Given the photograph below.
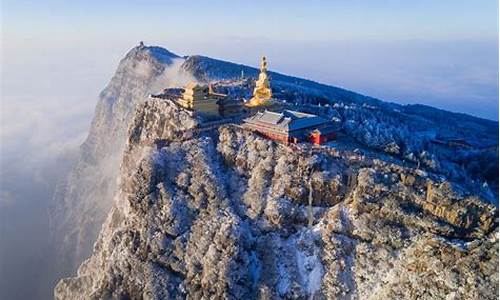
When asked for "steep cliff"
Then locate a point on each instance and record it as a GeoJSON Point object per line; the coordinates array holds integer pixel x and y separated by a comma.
{"type": "Point", "coordinates": [248, 196]}
{"type": "Point", "coordinates": [84, 198]}
{"type": "Point", "coordinates": [225, 215]}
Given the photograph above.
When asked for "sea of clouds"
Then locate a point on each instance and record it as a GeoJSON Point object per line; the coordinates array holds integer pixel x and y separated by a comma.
{"type": "Point", "coordinates": [48, 95]}
{"type": "Point", "coordinates": [47, 100]}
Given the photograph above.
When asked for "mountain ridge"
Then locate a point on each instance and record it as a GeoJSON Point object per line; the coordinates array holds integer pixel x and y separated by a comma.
{"type": "Point", "coordinates": [218, 69]}
{"type": "Point", "coordinates": [86, 197]}
{"type": "Point", "coordinates": [225, 215]}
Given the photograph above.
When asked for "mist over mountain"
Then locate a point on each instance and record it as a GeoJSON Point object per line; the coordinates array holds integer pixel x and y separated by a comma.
{"type": "Point", "coordinates": [41, 130]}
{"type": "Point", "coordinates": [48, 144]}
{"type": "Point", "coordinates": [62, 156]}
{"type": "Point", "coordinates": [396, 135]}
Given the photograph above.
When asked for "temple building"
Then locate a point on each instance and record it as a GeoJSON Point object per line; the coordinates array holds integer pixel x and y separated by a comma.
{"type": "Point", "coordinates": [200, 98]}
{"type": "Point", "coordinates": [230, 107]}
{"type": "Point", "coordinates": [290, 126]}
{"type": "Point", "coordinates": [262, 92]}
{"type": "Point", "coordinates": [203, 99]}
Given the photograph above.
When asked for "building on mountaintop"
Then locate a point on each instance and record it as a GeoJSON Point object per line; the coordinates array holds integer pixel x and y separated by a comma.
{"type": "Point", "coordinates": [291, 126]}
{"type": "Point", "coordinates": [203, 99]}
{"type": "Point", "coordinates": [200, 98]}
{"type": "Point", "coordinates": [455, 143]}
{"type": "Point", "coordinates": [230, 107]}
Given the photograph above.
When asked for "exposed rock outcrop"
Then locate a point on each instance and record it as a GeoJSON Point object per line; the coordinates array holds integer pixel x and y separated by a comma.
{"type": "Point", "coordinates": [223, 214]}
{"type": "Point", "coordinates": [83, 200]}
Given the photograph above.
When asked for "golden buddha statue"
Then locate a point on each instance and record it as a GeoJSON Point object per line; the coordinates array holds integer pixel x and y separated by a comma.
{"type": "Point", "coordinates": [262, 91]}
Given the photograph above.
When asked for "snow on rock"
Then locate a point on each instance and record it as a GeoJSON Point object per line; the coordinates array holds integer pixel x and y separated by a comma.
{"type": "Point", "coordinates": [223, 215]}
{"type": "Point", "coordinates": [308, 256]}
{"type": "Point", "coordinates": [83, 199]}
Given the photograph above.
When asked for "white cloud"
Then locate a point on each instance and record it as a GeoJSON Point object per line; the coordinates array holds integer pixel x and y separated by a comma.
{"type": "Point", "coordinates": [172, 76]}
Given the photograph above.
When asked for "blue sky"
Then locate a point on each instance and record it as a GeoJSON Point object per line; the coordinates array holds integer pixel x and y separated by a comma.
{"type": "Point", "coordinates": [279, 20]}
{"type": "Point", "coordinates": [441, 53]}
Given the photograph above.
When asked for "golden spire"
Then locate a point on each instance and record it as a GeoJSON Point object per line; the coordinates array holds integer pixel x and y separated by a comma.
{"type": "Point", "coordinates": [262, 91]}
{"type": "Point", "coordinates": [263, 64]}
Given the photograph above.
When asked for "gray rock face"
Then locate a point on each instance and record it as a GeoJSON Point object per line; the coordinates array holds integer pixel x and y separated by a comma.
{"type": "Point", "coordinates": [225, 215]}
{"type": "Point", "coordinates": [416, 133]}
{"type": "Point", "coordinates": [83, 200]}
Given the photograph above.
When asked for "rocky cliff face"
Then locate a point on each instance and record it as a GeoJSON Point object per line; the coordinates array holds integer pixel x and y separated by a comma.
{"type": "Point", "coordinates": [84, 198]}
{"type": "Point", "coordinates": [226, 215]}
